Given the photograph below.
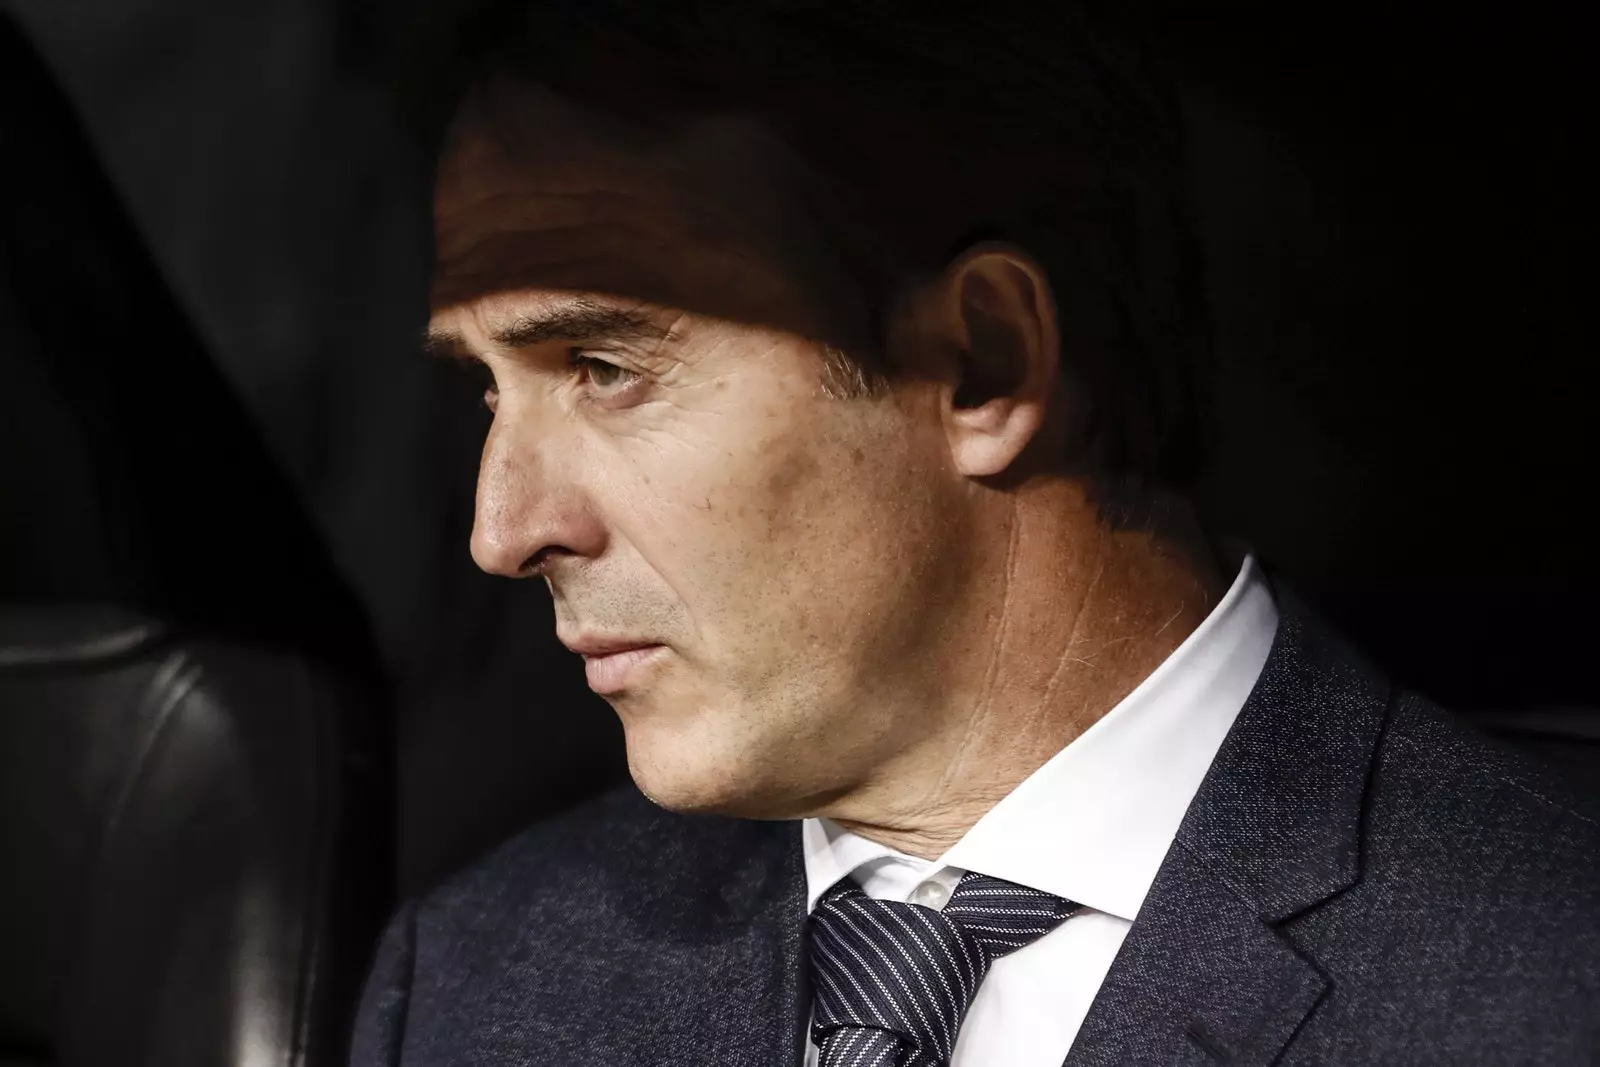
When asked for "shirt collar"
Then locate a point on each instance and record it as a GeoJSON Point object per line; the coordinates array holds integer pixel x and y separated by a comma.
{"type": "Point", "coordinates": [1094, 823]}
{"type": "Point", "coordinates": [832, 853]}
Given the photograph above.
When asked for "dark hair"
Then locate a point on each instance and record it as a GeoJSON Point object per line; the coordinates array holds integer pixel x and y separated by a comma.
{"type": "Point", "coordinates": [935, 126]}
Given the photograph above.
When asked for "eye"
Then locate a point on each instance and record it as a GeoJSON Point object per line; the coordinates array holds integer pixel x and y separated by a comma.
{"type": "Point", "coordinates": [486, 382]}
{"type": "Point", "coordinates": [478, 378]}
{"type": "Point", "coordinates": [603, 377]}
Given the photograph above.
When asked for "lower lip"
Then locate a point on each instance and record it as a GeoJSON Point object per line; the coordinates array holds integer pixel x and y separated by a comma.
{"type": "Point", "coordinates": [614, 672]}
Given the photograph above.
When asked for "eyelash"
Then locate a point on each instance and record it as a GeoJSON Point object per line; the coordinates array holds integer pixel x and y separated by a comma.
{"type": "Point", "coordinates": [578, 360]}
{"type": "Point", "coordinates": [586, 364]}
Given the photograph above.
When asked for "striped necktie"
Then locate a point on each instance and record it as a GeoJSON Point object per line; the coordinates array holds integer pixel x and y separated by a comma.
{"type": "Point", "coordinates": [891, 981]}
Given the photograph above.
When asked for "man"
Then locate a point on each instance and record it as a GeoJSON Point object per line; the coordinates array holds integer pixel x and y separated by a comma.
{"type": "Point", "coordinates": [844, 365]}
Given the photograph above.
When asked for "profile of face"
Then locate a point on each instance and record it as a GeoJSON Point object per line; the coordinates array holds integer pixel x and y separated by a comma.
{"type": "Point", "coordinates": [771, 584]}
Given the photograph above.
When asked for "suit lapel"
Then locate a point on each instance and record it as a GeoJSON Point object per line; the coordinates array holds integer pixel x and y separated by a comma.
{"type": "Point", "coordinates": [1207, 973]}
{"type": "Point", "coordinates": [749, 975]}
{"type": "Point", "coordinates": [783, 1039]}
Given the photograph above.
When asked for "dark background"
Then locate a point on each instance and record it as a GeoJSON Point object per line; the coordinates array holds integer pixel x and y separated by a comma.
{"type": "Point", "coordinates": [1397, 211]}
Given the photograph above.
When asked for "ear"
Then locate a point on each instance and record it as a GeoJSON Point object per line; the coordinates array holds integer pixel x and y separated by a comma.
{"type": "Point", "coordinates": [992, 315]}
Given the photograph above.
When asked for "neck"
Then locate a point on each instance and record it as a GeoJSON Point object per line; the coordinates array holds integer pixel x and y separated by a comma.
{"type": "Point", "coordinates": [1073, 616]}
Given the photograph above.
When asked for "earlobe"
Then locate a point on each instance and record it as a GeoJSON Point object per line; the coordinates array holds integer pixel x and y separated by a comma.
{"type": "Point", "coordinates": [1000, 307]}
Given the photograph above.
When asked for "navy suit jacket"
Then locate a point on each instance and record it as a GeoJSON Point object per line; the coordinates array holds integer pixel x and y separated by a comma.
{"type": "Point", "coordinates": [1359, 880]}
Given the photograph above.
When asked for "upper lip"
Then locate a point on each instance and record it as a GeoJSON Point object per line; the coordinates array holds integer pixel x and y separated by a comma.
{"type": "Point", "coordinates": [595, 645]}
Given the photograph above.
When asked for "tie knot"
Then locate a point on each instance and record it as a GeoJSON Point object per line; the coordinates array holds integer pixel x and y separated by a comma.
{"type": "Point", "coordinates": [1001, 916]}
{"type": "Point", "coordinates": [893, 981]}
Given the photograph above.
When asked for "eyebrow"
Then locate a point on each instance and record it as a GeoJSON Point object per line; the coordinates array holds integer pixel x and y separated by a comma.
{"type": "Point", "coordinates": [581, 320]}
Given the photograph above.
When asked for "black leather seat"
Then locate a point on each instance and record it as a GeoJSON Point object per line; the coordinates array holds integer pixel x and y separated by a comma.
{"type": "Point", "coordinates": [184, 875]}
{"type": "Point", "coordinates": [195, 793]}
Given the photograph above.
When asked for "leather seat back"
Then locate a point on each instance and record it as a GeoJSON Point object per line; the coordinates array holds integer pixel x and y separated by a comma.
{"type": "Point", "coordinates": [194, 841]}
{"type": "Point", "coordinates": [195, 786]}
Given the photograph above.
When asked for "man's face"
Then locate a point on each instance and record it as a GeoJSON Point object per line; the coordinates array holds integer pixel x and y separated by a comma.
{"type": "Point", "coordinates": [764, 579]}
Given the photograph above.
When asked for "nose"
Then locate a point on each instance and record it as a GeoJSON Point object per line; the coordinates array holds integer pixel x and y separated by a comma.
{"type": "Point", "coordinates": [529, 510]}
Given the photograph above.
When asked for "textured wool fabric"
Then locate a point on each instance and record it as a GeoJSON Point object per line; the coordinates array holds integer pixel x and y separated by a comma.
{"type": "Point", "coordinates": [1360, 879]}
{"type": "Point", "coordinates": [892, 981]}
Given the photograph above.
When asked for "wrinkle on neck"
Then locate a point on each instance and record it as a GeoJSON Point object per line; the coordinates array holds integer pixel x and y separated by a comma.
{"type": "Point", "coordinates": [1081, 613]}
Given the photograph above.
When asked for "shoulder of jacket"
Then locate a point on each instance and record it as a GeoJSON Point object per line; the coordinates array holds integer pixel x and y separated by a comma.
{"type": "Point", "coordinates": [1428, 747]}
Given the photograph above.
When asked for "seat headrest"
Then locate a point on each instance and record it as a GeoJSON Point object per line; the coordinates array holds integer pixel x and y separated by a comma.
{"type": "Point", "coordinates": [130, 473]}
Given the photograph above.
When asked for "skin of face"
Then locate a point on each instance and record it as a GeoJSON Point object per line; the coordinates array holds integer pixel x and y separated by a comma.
{"type": "Point", "coordinates": [666, 453]}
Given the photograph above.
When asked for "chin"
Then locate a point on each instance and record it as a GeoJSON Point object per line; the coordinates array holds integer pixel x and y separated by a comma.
{"type": "Point", "coordinates": [692, 780]}
{"type": "Point", "coordinates": [716, 754]}
{"type": "Point", "coordinates": [685, 788]}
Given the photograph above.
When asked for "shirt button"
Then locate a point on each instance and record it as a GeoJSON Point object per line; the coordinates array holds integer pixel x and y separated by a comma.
{"type": "Point", "coordinates": [930, 895]}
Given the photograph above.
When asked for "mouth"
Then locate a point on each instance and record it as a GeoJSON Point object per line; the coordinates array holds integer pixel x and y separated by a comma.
{"type": "Point", "coordinates": [612, 666]}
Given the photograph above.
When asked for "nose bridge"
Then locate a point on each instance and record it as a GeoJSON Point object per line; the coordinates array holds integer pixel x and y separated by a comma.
{"type": "Point", "coordinates": [525, 503]}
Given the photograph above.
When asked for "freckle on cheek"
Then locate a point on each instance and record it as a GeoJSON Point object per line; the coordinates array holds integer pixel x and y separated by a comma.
{"type": "Point", "coordinates": [791, 473]}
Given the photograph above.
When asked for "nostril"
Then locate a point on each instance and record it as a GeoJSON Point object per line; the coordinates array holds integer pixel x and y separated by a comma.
{"type": "Point", "coordinates": [535, 564]}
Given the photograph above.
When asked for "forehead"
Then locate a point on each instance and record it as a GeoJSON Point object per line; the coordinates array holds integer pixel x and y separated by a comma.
{"type": "Point", "coordinates": [535, 193]}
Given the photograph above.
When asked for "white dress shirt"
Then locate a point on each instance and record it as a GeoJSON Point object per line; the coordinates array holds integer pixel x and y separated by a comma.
{"type": "Point", "coordinates": [1091, 825]}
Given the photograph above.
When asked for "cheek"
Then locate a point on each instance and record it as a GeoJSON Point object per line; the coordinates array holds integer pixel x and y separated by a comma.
{"type": "Point", "coordinates": [724, 476]}
{"type": "Point", "coordinates": [793, 482]}
{"type": "Point", "coordinates": [779, 520]}
{"type": "Point", "coordinates": [812, 525]}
